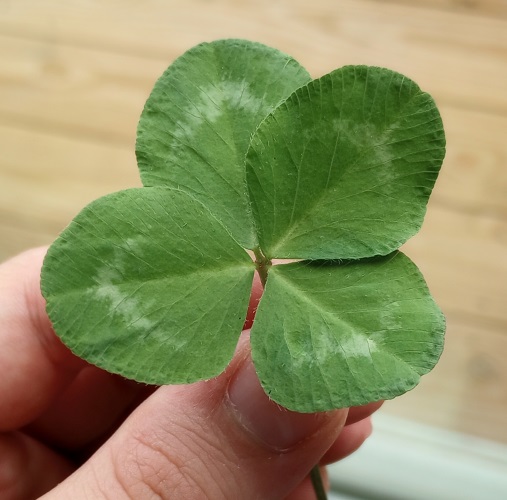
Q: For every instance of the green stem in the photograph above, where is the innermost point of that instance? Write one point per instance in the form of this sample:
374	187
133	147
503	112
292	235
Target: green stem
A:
318	485
263	264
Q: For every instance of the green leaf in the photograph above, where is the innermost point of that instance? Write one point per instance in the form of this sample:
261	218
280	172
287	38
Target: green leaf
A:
147	283
195	128
330	335
237	147
344	167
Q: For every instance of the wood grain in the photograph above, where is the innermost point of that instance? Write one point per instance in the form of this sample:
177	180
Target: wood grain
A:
493	8
74	77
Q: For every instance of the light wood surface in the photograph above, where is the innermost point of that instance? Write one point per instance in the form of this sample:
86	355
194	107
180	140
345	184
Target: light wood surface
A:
74	76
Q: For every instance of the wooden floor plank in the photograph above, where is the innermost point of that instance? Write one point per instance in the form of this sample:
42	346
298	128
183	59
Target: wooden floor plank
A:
453	55
490	8
466	390
474	175
74	91
46	179
15	239
464	260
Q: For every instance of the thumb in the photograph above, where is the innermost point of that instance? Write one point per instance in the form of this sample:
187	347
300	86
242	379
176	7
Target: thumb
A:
217	439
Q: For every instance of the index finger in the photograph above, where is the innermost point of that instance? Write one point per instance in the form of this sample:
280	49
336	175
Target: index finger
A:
36	366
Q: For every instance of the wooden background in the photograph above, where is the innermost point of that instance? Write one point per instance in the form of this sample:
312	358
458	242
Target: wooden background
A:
74	75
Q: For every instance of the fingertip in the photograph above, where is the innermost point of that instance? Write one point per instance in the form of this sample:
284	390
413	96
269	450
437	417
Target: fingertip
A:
32	357
358	413
350	440
275	427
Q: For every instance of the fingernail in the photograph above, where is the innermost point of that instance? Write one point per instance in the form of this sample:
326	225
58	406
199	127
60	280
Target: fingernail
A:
274	426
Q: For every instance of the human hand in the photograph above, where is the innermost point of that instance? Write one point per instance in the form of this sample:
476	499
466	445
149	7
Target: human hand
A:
71	430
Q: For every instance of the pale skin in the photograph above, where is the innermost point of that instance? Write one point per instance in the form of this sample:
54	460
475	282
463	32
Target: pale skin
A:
71	430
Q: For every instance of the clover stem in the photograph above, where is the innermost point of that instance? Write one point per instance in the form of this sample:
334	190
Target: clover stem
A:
318	485
262	264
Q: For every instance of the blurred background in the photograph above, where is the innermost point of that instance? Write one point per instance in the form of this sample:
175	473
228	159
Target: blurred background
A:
74	76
